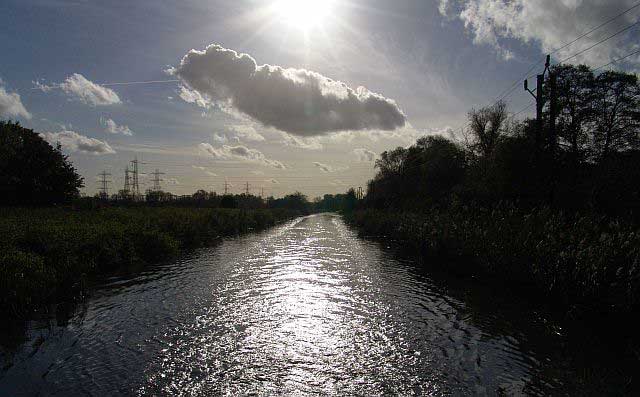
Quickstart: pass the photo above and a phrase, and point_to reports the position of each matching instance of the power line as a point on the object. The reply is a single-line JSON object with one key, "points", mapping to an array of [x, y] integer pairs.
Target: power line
{"points": [[617, 60], [156, 180], [104, 184], [600, 42], [596, 28], [509, 90]]}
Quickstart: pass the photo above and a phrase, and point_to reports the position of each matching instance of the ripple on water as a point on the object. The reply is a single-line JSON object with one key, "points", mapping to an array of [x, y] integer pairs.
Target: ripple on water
{"points": [[305, 308]]}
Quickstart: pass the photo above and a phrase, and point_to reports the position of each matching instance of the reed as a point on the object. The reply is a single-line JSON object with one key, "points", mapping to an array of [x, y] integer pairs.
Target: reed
{"points": [[45, 253], [582, 262]]}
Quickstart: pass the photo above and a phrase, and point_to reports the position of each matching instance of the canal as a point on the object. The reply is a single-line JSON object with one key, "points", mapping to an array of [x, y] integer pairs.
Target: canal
{"points": [[305, 308]]}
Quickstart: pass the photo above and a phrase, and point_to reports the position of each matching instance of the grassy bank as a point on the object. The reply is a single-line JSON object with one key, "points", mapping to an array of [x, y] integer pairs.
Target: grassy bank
{"points": [[580, 262], [45, 253]]}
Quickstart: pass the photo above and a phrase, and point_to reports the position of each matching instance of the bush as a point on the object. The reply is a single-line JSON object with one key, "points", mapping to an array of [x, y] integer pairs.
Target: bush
{"points": [[581, 260], [46, 251]]}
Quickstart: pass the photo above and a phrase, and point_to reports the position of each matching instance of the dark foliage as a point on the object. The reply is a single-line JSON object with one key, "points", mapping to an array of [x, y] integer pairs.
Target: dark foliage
{"points": [[556, 207], [32, 172], [586, 161], [49, 252]]}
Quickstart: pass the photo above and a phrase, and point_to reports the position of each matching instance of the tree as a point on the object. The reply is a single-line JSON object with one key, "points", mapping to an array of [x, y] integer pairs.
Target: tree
{"points": [[574, 97], [486, 127], [32, 172], [434, 166], [617, 113]]}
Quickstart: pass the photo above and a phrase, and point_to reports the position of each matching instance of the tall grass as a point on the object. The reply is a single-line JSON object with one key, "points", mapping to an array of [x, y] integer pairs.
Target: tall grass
{"points": [[46, 252], [582, 261]]}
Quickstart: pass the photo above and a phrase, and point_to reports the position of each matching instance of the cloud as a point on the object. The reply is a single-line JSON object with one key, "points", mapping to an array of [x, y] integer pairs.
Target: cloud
{"points": [[297, 101], [238, 133], [226, 152], [301, 143], [11, 104], [548, 23], [74, 142], [172, 181], [323, 167], [111, 127], [272, 181], [364, 155], [80, 88], [205, 170], [246, 133], [191, 96]]}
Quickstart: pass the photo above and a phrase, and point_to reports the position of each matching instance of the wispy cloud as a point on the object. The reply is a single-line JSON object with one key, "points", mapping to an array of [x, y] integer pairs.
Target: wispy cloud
{"points": [[80, 88], [74, 142], [205, 170], [112, 127], [550, 23], [242, 153], [364, 155], [323, 167], [11, 104]]}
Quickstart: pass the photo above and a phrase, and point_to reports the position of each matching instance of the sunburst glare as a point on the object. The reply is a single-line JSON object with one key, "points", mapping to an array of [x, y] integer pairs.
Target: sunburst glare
{"points": [[304, 14]]}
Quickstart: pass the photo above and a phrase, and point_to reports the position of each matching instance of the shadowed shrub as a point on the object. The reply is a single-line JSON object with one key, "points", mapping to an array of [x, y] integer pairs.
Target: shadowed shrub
{"points": [[47, 251]]}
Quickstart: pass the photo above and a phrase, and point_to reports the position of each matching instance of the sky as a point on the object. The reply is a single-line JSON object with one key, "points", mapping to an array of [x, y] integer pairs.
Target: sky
{"points": [[287, 95]]}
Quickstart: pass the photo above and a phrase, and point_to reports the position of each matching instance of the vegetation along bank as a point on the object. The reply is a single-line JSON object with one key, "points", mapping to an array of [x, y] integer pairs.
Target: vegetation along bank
{"points": [[553, 203]]}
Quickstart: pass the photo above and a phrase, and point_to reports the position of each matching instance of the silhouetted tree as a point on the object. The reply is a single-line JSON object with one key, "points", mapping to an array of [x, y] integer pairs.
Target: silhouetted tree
{"points": [[617, 109], [229, 201], [575, 111], [486, 127], [32, 172]]}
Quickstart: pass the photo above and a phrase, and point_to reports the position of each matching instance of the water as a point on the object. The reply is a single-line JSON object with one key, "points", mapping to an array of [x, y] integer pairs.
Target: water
{"points": [[306, 308]]}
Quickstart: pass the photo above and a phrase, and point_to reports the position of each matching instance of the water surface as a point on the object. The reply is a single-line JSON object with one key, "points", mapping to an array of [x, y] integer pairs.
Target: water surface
{"points": [[306, 308]]}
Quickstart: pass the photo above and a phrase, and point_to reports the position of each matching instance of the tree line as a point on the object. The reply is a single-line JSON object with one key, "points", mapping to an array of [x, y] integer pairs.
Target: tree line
{"points": [[583, 155], [33, 173]]}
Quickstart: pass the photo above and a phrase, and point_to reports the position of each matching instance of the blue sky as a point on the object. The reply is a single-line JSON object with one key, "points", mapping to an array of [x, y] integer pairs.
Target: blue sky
{"points": [[429, 61]]}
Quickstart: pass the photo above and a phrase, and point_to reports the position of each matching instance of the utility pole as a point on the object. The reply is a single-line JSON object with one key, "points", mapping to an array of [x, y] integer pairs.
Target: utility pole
{"points": [[104, 185], [540, 99], [226, 187], [127, 183], [553, 110], [156, 180], [262, 192], [548, 172], [136, 183], [136, 178], [247, 189]]}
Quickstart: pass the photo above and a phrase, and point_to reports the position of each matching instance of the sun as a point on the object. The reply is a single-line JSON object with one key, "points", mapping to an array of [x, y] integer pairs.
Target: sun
{"points": [[304, 14]]}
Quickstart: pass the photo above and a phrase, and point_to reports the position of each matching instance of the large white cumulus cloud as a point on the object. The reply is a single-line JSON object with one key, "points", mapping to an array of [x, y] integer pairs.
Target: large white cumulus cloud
{"points": [[549, 23], [11, 105], [297, 101], [74, 142]]}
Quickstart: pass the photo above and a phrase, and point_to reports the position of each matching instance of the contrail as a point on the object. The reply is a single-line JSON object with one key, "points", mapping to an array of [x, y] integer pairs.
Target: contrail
{"points": [[140, 82], [122, 83]]}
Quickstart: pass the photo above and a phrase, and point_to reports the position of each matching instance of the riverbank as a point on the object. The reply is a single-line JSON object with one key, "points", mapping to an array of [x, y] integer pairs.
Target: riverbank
{"points": [[585, 265], [46, 254]]}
